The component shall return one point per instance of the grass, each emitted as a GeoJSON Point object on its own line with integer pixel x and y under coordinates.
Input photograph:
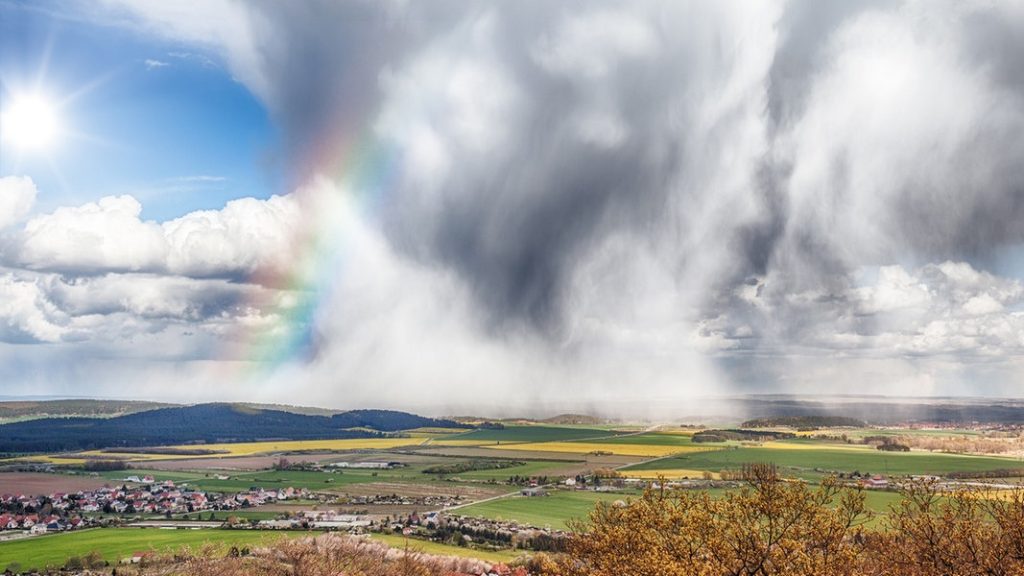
{"type": "Point", "coordinates": [396, 541]}
{"type": "Point", "coordinates": [554, 510]}
{"type": "Point", "coordinates": [38, 552]}
{"type": "Point", "coordinates": [840, 459]}
{"type": "Point", "coordinates": [651, 439]}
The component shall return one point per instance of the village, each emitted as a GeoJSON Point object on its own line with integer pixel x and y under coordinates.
{"type": "Point", "coordinates": [40, 514]}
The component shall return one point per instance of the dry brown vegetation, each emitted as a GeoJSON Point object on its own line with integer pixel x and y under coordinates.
{"type": "Point", "coordinates": [41, 483]}
{"type": "Point", "coordinates": [965, 444]}
{"type": "Point", "coordinates": [327, 555]}
{"type": "Point", "coordinates": [777, 528]}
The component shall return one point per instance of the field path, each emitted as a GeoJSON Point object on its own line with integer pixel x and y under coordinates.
{"type": "Point", "coordinates": [491, 499]}
{"type": "Point", "coordinates": [550, 484]}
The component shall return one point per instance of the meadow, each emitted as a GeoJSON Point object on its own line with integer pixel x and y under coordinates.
{"type": "Point", "coordinates": [554, 510]}
{"type": "Point", "coordinates": [113, 544]}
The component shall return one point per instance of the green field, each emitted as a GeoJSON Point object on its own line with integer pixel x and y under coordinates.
{"type": "Point", "coordinates": [531, 434]}
{"type": "Point", "coordinates": [553, 510]}
{"type": "Point", "coordinates": [842, 460]}
{"type": "Point", "coordinates": [652, 439]}
{"type": "Point", "coordinates": [115, 543]}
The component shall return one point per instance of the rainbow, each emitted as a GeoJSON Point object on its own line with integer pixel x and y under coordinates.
{"type": "Point", "coordinates": [363, 170]}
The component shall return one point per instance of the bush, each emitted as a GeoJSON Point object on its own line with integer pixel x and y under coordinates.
{"type": "Point", "coordinates": [778, 528]}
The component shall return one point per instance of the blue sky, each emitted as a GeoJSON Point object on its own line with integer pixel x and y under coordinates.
{"type": "Point", "coordinates": [162, 121]}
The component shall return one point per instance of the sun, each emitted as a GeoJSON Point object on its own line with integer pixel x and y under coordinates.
{"type": "Point", "coordinates": [29, 123]}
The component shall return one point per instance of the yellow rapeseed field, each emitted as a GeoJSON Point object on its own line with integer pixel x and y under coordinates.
{"type": "Point", "coordinates": [445, 442]}
{"type": "Point", "coordinates": [648, 450]}
{"type": "Point", "coordinates": [48, 459]}
{"type": "Point", "coordinates": [252, 448]}
{"type": "Point", "coordinates": [235, 449]}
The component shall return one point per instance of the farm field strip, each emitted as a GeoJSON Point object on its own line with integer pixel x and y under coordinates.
{"type": "Point", "coordinates": [805, 445]}
{"type": "Point", "coordinates": [668, 473]}
{"type": "Point", "coordinates": [232, 450]}
{"type": "Point", "coordinates": [240, 481]}
{"type": "Point", "coordinates": [447, 442]}
{"type": "Point", "coordinates": [646, 450]}
{"type": "Point", "coordinates": [647, 439]}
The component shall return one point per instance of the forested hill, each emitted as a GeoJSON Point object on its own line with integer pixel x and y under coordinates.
{"type": "Point", "coordinates": [389, 420]}
{"type": "Point", "coordinates": [203, 423]}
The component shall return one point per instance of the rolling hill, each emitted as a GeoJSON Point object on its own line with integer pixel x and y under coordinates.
{"type": "Point", "coordinates": [203, 423]}
{"type": "Point", "coordinates": [87, 408]}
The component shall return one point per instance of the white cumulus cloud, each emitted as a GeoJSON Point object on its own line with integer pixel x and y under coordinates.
{"type": "Point", "coordinates": [110, 236]}
{"type": "Point", "coordinates": [17, 196]}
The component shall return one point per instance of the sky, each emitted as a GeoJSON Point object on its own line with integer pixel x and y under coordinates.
{"type": "Point", "coordinates": [510, 207]}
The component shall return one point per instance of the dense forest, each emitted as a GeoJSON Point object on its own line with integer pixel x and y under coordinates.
{"type": "Point", "coordinates": [811, 421]}
{"type": "Point", "coordinates": [199, 424]}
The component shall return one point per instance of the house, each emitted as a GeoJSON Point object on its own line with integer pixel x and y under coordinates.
{"type": "Point", "coordinates": [533, 491]}
{"type": "Point", "coordinates": [875, 482]}
{"type": "Point", "coordinates": [136, 558]}
{"type": "Point", "coordinates": [570, 482]}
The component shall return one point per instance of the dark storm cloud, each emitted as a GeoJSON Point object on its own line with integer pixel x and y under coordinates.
{"type": "Point", "coordinates": [776, 180]}
{"type": "Point", "coordinates": [805, 28]}
{"type": "Point", "coordinates": [516, 221]}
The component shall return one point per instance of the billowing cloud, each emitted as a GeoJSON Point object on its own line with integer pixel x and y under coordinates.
{"type": "Point", "coordinates": [243, 237]}
{"type": "Point", "coordinates": [107, 234]}
{"type": "Point", "coordinates": [17, 196]}
{"type": "Point", "coordinates": [26, 315]}
{"type": "Point", "coordinates": [110, 235]}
